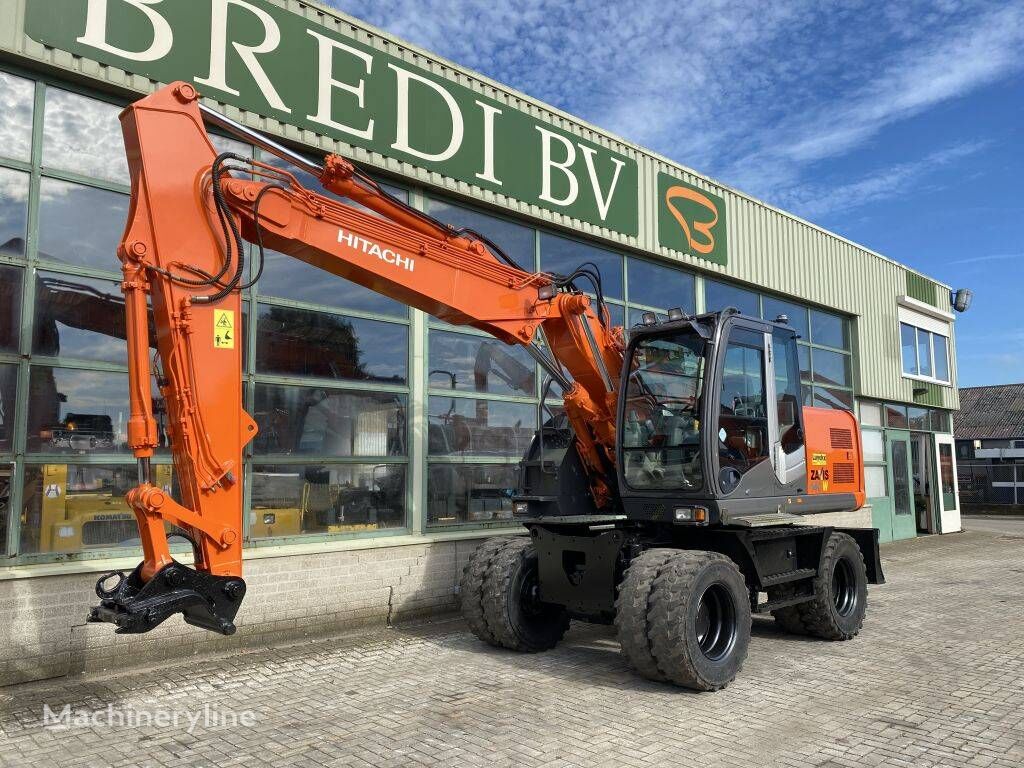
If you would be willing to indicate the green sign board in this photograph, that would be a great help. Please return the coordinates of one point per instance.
(268, 60)
(691, 220)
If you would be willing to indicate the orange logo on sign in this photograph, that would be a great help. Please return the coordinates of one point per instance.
(702, 228)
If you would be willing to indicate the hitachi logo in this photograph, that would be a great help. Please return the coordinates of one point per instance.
(375, 249)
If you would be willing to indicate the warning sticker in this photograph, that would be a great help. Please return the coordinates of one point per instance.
(52, 491)
(819, 459)
(224, 329)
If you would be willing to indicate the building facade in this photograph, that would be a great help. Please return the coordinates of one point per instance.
(989, 431)
(386, 436)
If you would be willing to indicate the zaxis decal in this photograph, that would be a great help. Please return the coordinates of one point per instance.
(691, 220)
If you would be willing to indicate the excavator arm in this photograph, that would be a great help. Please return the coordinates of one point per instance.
(183, 250)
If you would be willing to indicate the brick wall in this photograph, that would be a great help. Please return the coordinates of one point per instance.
(42, 620)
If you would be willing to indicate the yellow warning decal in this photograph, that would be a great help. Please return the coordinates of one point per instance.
(224, 329)
(819, 459)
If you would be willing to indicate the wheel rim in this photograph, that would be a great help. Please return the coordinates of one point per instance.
(844, 588)
(529, 594)
(716, 622)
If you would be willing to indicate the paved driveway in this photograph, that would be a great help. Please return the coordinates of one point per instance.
(936, 678)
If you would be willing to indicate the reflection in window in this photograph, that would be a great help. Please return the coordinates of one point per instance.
(80, 225)
(75, 507)
(796, 315)
(291, 500)
(787, 391)
(288, 278)
(298, 342)
(16, 99)
(516, 240)
(941, 357)
(743, 417)
(661, 433)
(831, 368)
(77, 411)
(460, 494)
(8, 398)
(83, 135)
(13, 211)
(660, 286)
(10, 307)
(908, 345)
(479, 427)
(896, 416)
(830, 330)
(79, 317)
(6, 491)
(804, 353)
(480, 364)
(562, 256)
(833, 398)
(329, 422)
(718, 296)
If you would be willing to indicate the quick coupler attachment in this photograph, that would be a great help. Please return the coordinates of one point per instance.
(135, 606)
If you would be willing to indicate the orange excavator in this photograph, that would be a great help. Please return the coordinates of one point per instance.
(667, 497)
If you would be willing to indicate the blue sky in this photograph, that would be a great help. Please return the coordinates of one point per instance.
(898, 125)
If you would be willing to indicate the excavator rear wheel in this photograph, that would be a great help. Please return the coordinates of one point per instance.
(504, 577)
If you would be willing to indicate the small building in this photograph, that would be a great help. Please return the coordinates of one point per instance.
(989, 431)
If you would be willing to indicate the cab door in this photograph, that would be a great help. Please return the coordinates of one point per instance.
(785, 413)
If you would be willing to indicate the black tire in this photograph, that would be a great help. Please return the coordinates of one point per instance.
(471, 588)
(699, 620)
(787, 618)
(515, 616)
(631, 609)
(840, 592)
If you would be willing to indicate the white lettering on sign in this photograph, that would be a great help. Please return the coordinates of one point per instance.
(370, 248)
(247, 53)
(96, 31)
(402, 133)
(326, 85)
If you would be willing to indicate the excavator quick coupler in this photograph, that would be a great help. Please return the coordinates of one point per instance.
(136, 606)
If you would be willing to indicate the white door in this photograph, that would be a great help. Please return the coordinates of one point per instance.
(948, 492)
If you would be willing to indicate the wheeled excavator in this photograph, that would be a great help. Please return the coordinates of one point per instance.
(668, 497)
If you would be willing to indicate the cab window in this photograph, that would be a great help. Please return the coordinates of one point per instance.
(743, 415)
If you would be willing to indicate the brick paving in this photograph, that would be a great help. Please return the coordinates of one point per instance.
(935, 679)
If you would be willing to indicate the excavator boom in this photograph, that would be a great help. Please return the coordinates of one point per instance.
(183, 253)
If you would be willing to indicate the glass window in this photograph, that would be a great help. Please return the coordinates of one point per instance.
(831, 368)
(787, 391)
(6, 491)
(743, 418)
(480, 364)
(941, 347)
(562, 256)
(77, 411)
(479, 427)
(796, 315)
(459, 494)
(16, 99)
(896, 416)
(299, 342)
(804, 353)
(718, 296)
(10, 307)
(516, 240)
(13, 211)
(876, 485)
(908, 345)
(79, 317)
(870, 414)
(919, 419)
(83, 135)
(874, 446)
(617, 312)
(296, 499)
(328, 422)
(940, 421)
(8, 399)
(833, 398)
(75, 507)
(828, 329)
(286, 277)
(947, 483)
(658, 285)
(80, 225)
(924, 352)
(661, 432)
